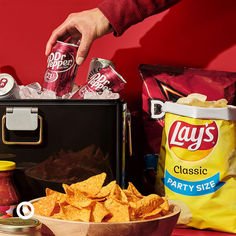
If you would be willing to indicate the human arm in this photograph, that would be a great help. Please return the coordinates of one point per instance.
(124, 13)
(86, 25)
(110, 16)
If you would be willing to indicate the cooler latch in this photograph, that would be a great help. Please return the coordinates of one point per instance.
(21, 119)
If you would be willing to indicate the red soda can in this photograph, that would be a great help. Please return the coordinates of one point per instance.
(97, 64)
(8, 87)
(106, 78)
(61, 68)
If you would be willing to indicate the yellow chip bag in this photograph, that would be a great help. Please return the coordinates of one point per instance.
(197, 164)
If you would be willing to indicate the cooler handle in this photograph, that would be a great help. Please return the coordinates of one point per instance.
(22, 143)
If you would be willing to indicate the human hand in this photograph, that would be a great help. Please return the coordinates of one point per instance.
(86, 26)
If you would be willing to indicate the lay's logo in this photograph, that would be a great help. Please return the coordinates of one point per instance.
(194, 141)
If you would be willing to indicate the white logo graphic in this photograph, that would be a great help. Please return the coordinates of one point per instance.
(60, 62)
(27, 209)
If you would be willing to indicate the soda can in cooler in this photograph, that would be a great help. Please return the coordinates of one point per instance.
(61, 68)
(97, 64)
(106, 78)
(8, 87)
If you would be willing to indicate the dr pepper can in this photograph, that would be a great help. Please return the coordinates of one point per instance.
(61, 68)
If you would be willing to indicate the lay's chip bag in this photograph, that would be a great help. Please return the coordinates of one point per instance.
(197, 163)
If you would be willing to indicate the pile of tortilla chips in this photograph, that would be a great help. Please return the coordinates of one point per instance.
(90, 201)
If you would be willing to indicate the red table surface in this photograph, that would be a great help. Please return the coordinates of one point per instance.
(195, 232)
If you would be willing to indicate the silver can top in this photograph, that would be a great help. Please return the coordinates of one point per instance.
(7, 84)
(97, 64)
(18, 225)
(69, 44)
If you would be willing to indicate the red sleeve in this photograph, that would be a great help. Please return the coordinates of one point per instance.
(124, 13)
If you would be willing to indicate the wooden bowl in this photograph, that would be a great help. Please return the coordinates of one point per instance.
(162, 226)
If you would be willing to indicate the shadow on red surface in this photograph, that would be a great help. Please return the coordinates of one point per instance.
(191, 34)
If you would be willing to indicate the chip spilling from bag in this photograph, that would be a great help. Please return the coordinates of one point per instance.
(90, 201)
(200, 100)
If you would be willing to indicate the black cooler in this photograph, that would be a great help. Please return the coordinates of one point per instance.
(62, 141)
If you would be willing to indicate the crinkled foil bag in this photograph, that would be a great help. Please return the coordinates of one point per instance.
(197, 169)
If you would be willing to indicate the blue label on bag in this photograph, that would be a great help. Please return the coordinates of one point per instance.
(193, 188)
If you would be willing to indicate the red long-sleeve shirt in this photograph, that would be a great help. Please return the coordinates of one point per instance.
(124, 13)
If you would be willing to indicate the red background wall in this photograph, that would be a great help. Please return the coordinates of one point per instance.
(192, 33)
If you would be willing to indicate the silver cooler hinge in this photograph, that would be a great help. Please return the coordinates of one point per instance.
(21, 118)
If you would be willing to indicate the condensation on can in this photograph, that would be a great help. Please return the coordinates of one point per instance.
(97, 64)
(8, 87)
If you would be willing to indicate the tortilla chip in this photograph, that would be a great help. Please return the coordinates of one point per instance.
(68, 191)
(59, 197)
(106, 190)
(120, 212)
(132, 189)
(79, 200)
(91, 186)
(146, 205)
(118, 194)
(75, 214)
(153, 214)
(165, 207)
(99, 212)
(45, 206)
(130, 196)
